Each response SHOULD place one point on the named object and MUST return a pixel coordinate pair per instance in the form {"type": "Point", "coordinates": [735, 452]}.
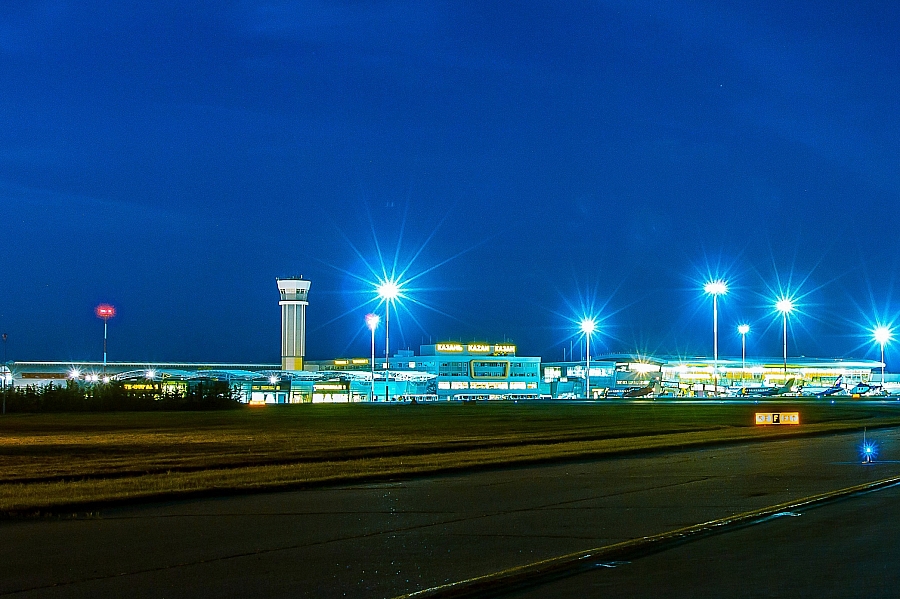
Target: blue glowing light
{"type": "Point", "coordinates": [869, 451]}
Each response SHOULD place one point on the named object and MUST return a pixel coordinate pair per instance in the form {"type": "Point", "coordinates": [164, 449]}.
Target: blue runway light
{"type": "Point", "coordinates": [869, 451]}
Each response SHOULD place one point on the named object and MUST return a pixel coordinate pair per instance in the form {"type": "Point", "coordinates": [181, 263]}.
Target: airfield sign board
{"type": "Point", "coordinates": [777, 418]}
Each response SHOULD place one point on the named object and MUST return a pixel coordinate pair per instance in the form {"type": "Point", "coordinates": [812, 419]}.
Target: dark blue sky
{"type": "Point", "coordinates": [529, 160]}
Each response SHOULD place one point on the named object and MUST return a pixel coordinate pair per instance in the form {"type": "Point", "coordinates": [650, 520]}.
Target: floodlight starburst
{"type": "Point", "coordinates": [883, 334]}
{"type": "Point", "coordinates": [717, 287]}
{"type": "Point", "coordinates": [389, 289]}
{"type": "Point", "coordinates": [372, 321]}
{"type": "Point", "coordinates": [785, 305]}
{"type": "Point", "coordinates": [743, 329]}
{"type": "Point", "coordinates": [588, 326]}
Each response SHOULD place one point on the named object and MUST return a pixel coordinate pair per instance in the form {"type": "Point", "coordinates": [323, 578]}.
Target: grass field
{"type": "Point", "coordinates": [59, 461]}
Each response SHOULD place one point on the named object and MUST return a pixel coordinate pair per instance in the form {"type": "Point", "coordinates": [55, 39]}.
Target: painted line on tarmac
{"type": "Point", "coordinates": [533, 574]}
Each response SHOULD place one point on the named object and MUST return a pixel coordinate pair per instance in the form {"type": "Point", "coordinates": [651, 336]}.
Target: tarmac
{"type": "Point", "coordinates": [394, 538]}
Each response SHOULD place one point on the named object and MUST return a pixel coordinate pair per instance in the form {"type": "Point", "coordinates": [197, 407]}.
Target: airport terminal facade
{"type": "Point", "coordinates": [448, 371]}
{"type": "Point", "coordinates": [454, 371]}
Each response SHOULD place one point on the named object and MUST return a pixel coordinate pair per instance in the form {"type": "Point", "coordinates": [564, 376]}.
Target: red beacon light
{"type": "Point", "coordinates": [105, 311]}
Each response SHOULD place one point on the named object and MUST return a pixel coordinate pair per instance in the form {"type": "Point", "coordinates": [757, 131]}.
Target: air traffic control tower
{"type": "Point", "coordinates": [293, 304]}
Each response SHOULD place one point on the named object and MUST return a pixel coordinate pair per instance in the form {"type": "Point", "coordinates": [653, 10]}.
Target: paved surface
{"type": "Point", "coordinates": [845, 549]}
{"type": "Point", "coordinates": [387, 539]}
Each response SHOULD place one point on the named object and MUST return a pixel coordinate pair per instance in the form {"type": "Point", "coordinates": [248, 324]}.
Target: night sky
{"type": "Point", "coordinates": [523, 164]}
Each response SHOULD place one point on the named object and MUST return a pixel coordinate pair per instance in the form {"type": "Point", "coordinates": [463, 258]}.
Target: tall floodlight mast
{"type": "Point", "coordinates": [715, 289]}
{"type": "Point", "coordinates": [785, 306]}
{"type": "Point", "coordinates": [743, 329]}
{"type": "Point", "coordinates": [588, 326]}
{"type": "Point", "coordinates": [882, 336]}
{"type": "Point", "coordinates": [388, 291]}
{"type": "Point", "coordinates": [372, 321]}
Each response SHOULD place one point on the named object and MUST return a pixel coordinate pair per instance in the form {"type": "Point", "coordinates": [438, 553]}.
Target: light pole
{"type": "Point", "coordinates": [388, 290]}
{"type": "Point", "coordinates": [587, 327]}
{"type": "Point", "coordinates": [715, 289]}
{"type": "Point", "coordinates": [882, 336]}
{"type": "Point", "coordinates": [105, 311]}
{"type": "Point", "coordinates": [743, 329]}
{"type": "Point", "coordinates": [372, 321]}
{"type": "Point", "coordinates": [785, 306]}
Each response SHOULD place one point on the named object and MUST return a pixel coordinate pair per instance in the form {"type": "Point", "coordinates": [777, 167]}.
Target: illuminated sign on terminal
{"type": "Point", "coordinates": [141, 386]}
{"type": "Point", "coordinates": [476, 348]}
{"type": "Point", "coordinates": [449, 347]}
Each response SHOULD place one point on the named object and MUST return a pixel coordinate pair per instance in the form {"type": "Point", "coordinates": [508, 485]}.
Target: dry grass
{"type": "Point", "coordinates": [51, 461]}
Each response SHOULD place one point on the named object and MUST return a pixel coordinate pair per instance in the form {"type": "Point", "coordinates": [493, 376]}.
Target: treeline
{"type": "Point", "coordinates": [113, 396]}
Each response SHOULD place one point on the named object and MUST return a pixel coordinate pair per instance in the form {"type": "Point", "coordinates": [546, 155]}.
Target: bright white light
{"type": "Point", "coordinates": [588, 326]}
{"type": "Point", "coordinates": [372, 321]}
{"type": "Point", "coordinates": [74, 374]}
{"type": "Point", "coordinates": [273, 379]}
{"type": "Point", "coordinates": [743, 329]}
{"type": "Point", "coordinates": [105, 379]}
{"type": "Point", "coordinates": [644, 368]}
{"type": "Point", "coordinates": [388, 290]}
{"type": "Point", "coordinates": [883, 334]}
{"type": "Point", "coordinates": [784, 305]}
{"type": "Point", "coordinates": [151, 374]}
{"type": "Point", "coordinates": [717, 287]}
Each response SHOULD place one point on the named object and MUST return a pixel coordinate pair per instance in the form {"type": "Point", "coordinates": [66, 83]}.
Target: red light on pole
{"type": "Point", "coordinates": [105, 311]}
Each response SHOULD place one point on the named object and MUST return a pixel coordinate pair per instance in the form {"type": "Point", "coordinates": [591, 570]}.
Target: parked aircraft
{"type": "Point", "coordinates": [639, 391]}
{"type": "Point", "coordinates": [834, 389]}
{"type": "Point", "coordinates": [788, 387]}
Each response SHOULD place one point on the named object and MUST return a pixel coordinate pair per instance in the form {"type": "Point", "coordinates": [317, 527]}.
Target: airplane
{"type": "Point", "coordinates": [835, 388]}
{"type": "Point", "coordinates": [788, 387]}
{"type": "Point", "coordinates": [639, 391]}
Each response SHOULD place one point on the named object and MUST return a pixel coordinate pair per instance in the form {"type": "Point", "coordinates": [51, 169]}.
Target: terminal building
{"type": "Point", "coordinates": [678, 376]}
{"type": "Point", "coordinates": [450, 371]}
{"type": "Point", "coordinates": [445, 371]}
{"type": "Point", "coordinates": [453, 371]}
